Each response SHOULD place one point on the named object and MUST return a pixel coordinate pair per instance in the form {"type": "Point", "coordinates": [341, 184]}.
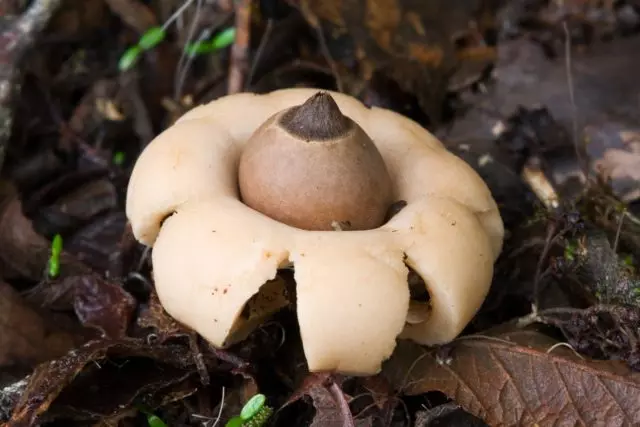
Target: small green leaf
{"type": "Point", "coordinates": [151, 38]}
{"type": "Point", "coordinates": [155, 421]}
{"type": "Point", "coordinates": [253, 406]}
{"type": "Point", "coordinates": [118, 158]}
{"type": "Point", "coordinates": [224, 39]}
{"type": "Point", "coordinates": [234, 422]}
{"type": "Point", "coordinates": [198, 48]}
{"type": "Point", "coordinates": [56, 244]}
{"type": "Point", "coordinates": [129, 58]}
{"type": "Point", "coordinates": [54, 258]}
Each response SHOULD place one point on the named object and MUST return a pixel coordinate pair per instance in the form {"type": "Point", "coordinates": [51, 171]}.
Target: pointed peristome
{"type": "Point", "coordinates": [318, 119]}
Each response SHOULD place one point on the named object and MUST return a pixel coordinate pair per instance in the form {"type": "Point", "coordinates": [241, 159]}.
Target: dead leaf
{"type": "Point", "coordinates": [426, 47]}
{"type": "Point", "coordinates": [330, 402]}
{"type": "Point", "coordinates": [520, 378]}
{"type": "Point", "coordinates": [106, 386]}
{"type": "Point", "coordinates": [98, 244]}
{"type": "Point", "coordinates": [98, 303]}
{"type": "Point", "coordinates": [28, 337]}
{"type": "Point", "coordinates": [103, 304]}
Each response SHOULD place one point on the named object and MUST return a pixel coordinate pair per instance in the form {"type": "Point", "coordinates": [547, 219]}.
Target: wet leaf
{"type": "Point", "coordinates": [331, 407]}
{"type": "Point", "coordinates": [114, 374]}
{"type": "Point", "coordinates": [520, 378]}
{"type": "Point", "coordinates": [27, 335]}
{"type": "Point", "coordinates": [426, 47]}
{"type": "Point", "coordinates": [102, 304]}
{"type": "Point", "coordinates": [97, 244]}
{"type": "Point", "coordinates": [98, 302]}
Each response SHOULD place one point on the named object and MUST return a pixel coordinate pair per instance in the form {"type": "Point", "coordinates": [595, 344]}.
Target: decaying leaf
{"type": "Point", "coordinates": [126, 370]}
{"type": "Point", "coordinates": [98, 303]}
{"type": "Point", "coordinates": [426, 47]}
{"type": "Point", "coordinates": [330, 402]}
{"type": "Point", "coordinates": [27, 336]}
{"type": "Point", "coordinates": [520, 378]}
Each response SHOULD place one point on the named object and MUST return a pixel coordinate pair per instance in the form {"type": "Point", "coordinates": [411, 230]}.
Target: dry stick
{"type": "Point", "coordinates": [240, 49]}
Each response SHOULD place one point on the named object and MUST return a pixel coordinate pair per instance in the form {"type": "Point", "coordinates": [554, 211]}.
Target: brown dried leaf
{"type": "Point", "coordinates": [107, 387]}
{"type": "Point", "coordinates": [103, 305]}
{"type": "Point", "coordinates": [97, 302]}
{"type": "Point", "coordinates": [329, 400]}
{"type": "Point", "coordinates": [28, 337]}
{"type": "Point", "coordinates": [426, 47]}
{"type": "Point", "coordinates": [520, 378]}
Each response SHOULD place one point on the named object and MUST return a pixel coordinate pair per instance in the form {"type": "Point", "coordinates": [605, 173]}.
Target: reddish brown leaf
{"type": "Point", "coordinates": [103, 305]}
{"type": "Point", "coordinates": [332, 408]}
{"type": "Point", "coordinates": [28, 337]}
{"type": "Point", "coordinates": [426, 47]}
{"type": "Point", "coordinates": [104, 388]}
{"type": "Point", "coordinates": [521, 379]}
{"type": "Point", "coordinates": [98, 303]}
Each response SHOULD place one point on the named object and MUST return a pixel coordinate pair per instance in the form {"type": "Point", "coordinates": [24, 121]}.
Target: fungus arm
{"type": "Point", "coordinates": [189, 161]}
{"type": "Point", "coordinates": [449, 249]}
{"type": "Point", "coordinates": [352, 300]}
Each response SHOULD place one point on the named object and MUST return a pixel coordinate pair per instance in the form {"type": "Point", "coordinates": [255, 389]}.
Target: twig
{"type": "Point", "coordinates": [17, 35]}
{"type": "Point", "coordinates": [240, 50]}
{"type": "Point", "coordinates": [574, 109]}
{"type": "Point", "coordinates": [259, 52]}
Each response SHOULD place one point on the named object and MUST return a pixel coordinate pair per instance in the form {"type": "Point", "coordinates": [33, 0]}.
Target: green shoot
{"type": "Point", "coordinates": [151, 38]}
{"type": "Point", "coordinates": [222, 40]}
{"type": "Point", "coordinates": [155, 421]}
{"type": "Point", "coordinates": [252, 407]}
{"type": "Point", "coordinates": [54, 258]}
{"type": "Point", "coordinates": [156, 35]}
{"type": "Point", "coordinates": [129, 58]}
{"type": "Point", "coordinates": [118, 158]}
{"type": "Point", "coordinates": [235, 422]}
{"type": "Point", "coordinates": [253, 414]}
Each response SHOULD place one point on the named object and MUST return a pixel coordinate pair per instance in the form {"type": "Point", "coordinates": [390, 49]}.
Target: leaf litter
{"type": "Point", "coordinates": [556, 342]}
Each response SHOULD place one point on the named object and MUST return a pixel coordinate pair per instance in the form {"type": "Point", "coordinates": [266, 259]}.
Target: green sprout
{"type": "Point", "coordinates": [118, 158]}
{"type": "Point", "coordinates": [155, 421]}
{"type": "Point", "coordinates": [222, 40]}
{"type": "Point", "coordinates": [253, 414]}
{"type": "Point", "coordinates": [54, 259]}
{"type": "Point", "coordinates": [156, 35]}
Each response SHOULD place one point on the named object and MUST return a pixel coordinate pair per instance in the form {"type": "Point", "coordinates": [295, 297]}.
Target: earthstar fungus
{"type": "Point", "coordinates": [248, 184]}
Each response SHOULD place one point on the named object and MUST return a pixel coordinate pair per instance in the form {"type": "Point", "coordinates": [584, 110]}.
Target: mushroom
{"type": "Point", "coordinates": [249, 184]}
